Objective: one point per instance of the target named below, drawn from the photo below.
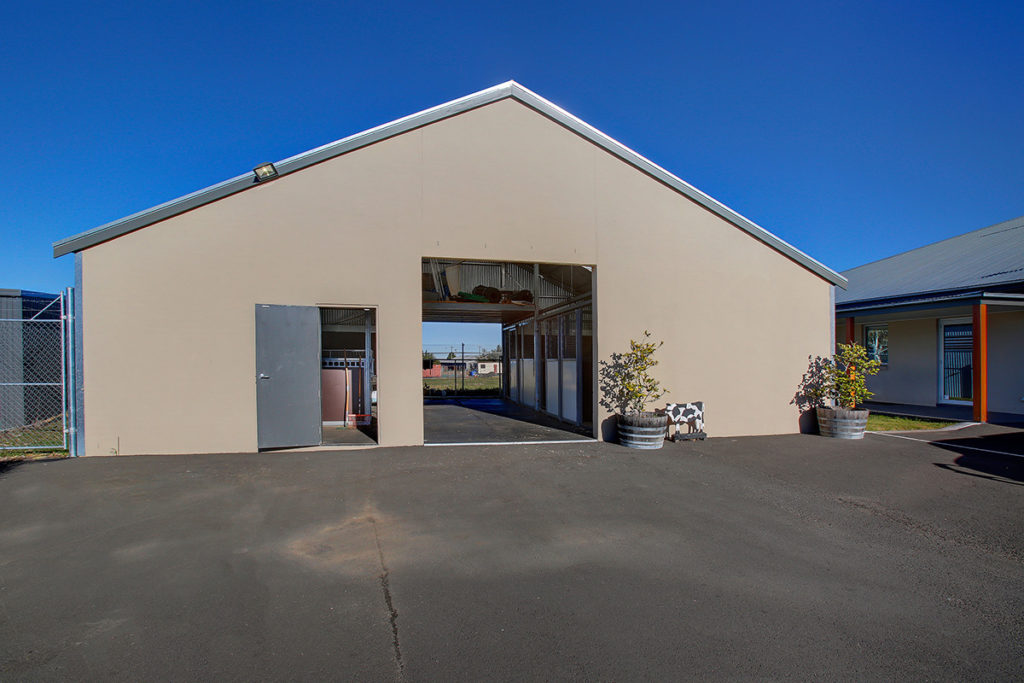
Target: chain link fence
(32, 372)
(461, 370)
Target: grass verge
(25, 456)
(892, 423)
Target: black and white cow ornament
(690, 414)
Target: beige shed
(344, 240)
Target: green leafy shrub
(850, 369)
(625, 381)
(841, 379)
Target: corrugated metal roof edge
(510, 89)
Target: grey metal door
(287, 376)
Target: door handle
(262, 376)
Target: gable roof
(986, 258)
(512, 90)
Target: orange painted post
(980, 361)
(850, 336)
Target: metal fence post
(71, 378)
(63, 374)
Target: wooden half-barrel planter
(842, 423)
(642, 430)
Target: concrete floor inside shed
(491, 420)
(341, 435)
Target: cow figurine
(690, 414)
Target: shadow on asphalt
(979, 472)
(1005, 441)
(1008, 468)
(8, 465)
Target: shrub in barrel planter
(840, 380)
(627, 387)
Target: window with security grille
(957, 362)
(876, 340)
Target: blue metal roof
(27, 293)
(990, 258)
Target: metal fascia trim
(428, 116)
(149, 216)
(968, 289)
(933, 304)
(290, 165)
(553, 111)
(923, 303)
(927, 297)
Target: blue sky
(440, 338)
(853, 130)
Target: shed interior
(546, 379)
(348, 376)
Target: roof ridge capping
(508, 89)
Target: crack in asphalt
(897, 517)
(386, 589)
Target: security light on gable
(265, 172)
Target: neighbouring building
(946, 320)
(30, 357)
(498, 207)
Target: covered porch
(955, 413)
(949, 356)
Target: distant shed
(24, 358)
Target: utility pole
(463, 367)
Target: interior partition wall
(527, 364)
(550, 361)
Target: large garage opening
(536, 383)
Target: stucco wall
(912, 373)
(1006, 362)
(169, 356)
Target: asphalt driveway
(791, 556)
(491, 420)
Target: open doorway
(462, 359)
(348, 376)
(537, 381)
